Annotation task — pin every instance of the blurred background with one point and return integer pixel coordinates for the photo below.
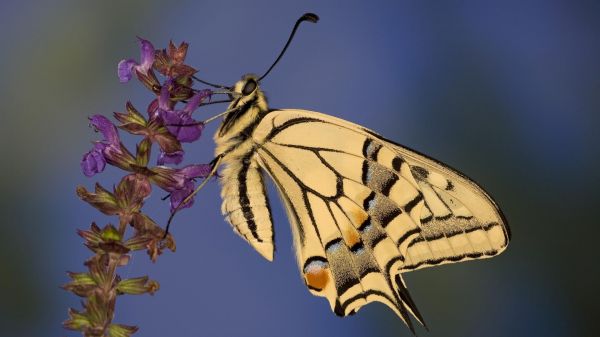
(508, 92)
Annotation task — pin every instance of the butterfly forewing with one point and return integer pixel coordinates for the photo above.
(459, 220)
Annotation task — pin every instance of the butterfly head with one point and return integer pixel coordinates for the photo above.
(248, 93)
(248, 103)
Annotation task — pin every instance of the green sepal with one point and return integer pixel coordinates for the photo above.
(143, 152)
(110, 233)
(76, 321)
(120, 330)
(101, 199)
(132, 121)
(137, 286)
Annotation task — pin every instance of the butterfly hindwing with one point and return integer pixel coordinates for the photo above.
(343, 251)
(363, 209)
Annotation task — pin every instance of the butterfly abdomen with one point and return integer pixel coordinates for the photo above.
(245, 203)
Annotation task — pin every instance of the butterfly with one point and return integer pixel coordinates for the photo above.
(363, 209)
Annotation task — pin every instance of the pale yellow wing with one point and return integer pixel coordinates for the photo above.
(363, 209)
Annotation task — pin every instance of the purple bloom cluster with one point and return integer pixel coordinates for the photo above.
(165, 125)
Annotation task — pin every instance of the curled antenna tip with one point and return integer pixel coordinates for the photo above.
(306, 17)
(312, 17)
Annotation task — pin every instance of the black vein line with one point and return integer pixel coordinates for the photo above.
(289, 205)
(299, 181)
(303, 188)
(443, 217)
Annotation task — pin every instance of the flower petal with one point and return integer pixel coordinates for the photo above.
(125, 70)
(189, 130)
(147, 57)
(106, 127)
(178, 196)
(93, 162)
(182, 126)
(196, 100)
(196, 171)
(163, 98)
(170, 158)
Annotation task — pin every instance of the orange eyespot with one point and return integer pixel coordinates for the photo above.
(316, 275)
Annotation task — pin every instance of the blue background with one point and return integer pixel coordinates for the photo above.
(506, 91)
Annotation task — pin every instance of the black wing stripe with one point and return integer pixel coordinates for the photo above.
(244, 200)
(411, 204)
(277, 129)
(299, 181)
(304, 188)
(386, 177)
(406, 235)
(387, 185)
(364, 295)
(292, 209)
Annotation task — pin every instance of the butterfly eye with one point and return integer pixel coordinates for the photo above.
(249, 87)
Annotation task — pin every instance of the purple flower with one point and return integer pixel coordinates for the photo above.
(179, 182)
(170, 158)
(179, 195)
(107, 128)
(108, 150)
(187, 187)
(126, 67)
(180, 122)
(93, 162)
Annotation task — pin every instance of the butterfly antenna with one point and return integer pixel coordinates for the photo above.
(311, 17)
(210, 84)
